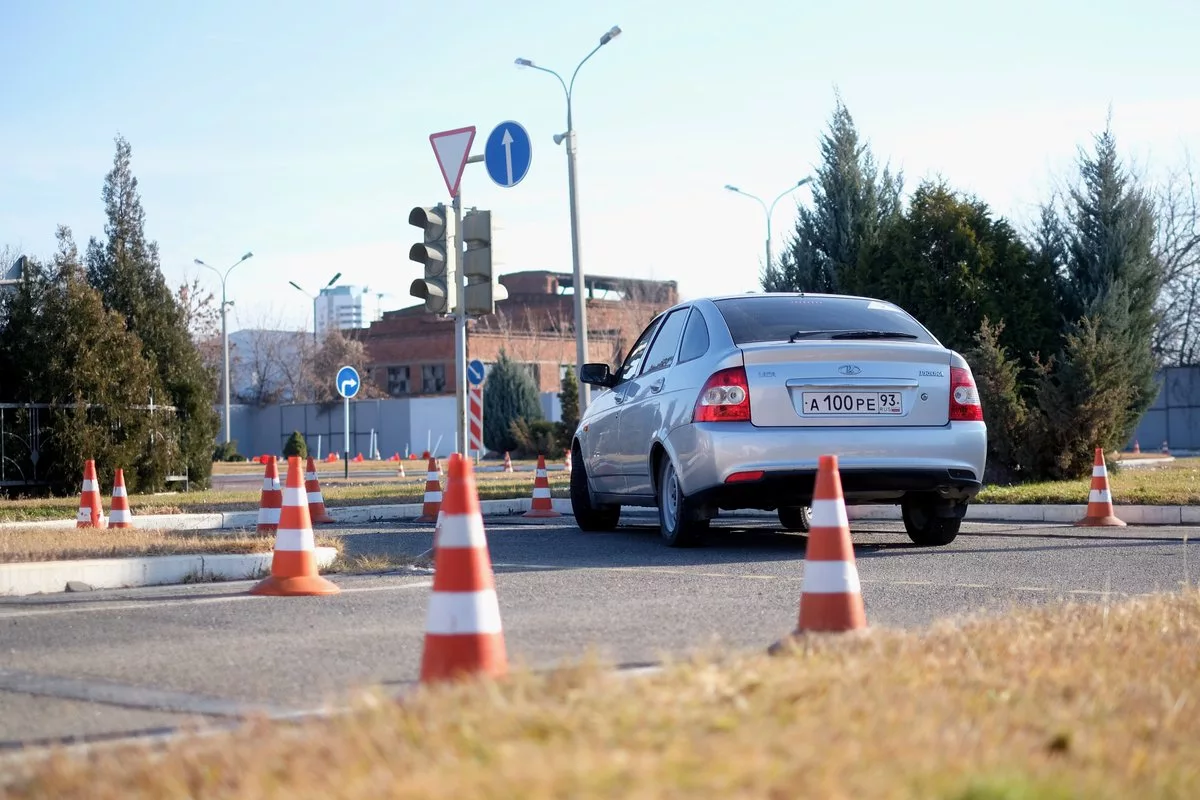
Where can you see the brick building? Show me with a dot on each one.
(411, 352)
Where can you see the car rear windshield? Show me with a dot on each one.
(774, 318)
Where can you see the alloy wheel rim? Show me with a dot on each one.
(671, 501)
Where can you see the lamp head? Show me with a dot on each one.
(198, 261)
(558, 138)
(248, 255)
(523, 62)
(612, 33)
(731, 188)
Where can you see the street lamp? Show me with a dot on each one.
(581, 331)
(771, 209)
(297, 286)
(225, 333)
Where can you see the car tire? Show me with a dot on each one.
(677, 521)
(926, 528)
(795, 518)
(587, 516)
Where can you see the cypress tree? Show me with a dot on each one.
(852, 201)
(125, 269)
(509, 395)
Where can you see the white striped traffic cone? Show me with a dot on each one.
(433, 493)
(91, 512)
(271, 499)
(294, 562)
(463, 634)
(316, 501)
(508, 467)
(1100, 512)
(542, 505)
(120, 516)
(830, 593)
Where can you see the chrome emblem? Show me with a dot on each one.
(849, 369)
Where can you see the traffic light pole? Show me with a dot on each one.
(460, 331)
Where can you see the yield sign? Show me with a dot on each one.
(452, 149)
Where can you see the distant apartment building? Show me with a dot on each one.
(411, 352)
(340, 308)
(11, 276)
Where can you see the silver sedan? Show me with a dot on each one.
(728, 402)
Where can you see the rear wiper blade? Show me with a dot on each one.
(873, 335)
(806, 334)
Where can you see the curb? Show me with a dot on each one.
(37, 577)
(978, 512)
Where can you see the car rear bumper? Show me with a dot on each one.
(876, 465)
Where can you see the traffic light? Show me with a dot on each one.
(436, 253)
(483, 290)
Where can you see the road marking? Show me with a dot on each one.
(119, 694)
(53, 609)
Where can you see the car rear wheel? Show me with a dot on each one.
(795, 518)
(926, 527)
(677, 518)
(587, 516)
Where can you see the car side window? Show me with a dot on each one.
(633, 361)
(666, 342)
(695, 338)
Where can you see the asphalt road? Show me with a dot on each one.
(113, 662)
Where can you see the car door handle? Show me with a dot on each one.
(656, 387)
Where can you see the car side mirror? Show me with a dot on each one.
(597, 375)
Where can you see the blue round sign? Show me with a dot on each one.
(508, 153)
(475, 372)
(347, 382)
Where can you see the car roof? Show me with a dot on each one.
(744, 295)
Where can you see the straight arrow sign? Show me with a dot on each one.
(507, 142)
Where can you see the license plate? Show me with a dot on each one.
(886, 404)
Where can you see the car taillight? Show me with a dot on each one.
(724, 398)
(964, 397)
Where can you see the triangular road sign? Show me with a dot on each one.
(452, 148)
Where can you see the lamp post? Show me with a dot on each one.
(769, 210)
(581, 331)
(225, 333)
(300, 289)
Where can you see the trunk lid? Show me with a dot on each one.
(822, 383)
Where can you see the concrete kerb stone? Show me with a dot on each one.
(36, 577)
(981, 512)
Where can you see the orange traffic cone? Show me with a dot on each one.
(508, 467)
(120, 516)
(463, 635)
(830, 596)
(567, 461)
(400, 472)
(91, 512)
(294, 562)
(1100, 508)
(316, 503)
(271, 499)
(542, 507)
(1136, 447)
(433, 494)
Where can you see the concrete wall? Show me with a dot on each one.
(401, 425)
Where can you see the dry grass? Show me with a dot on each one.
(34, 544)
(1085, 701)
(376, 562)
(492, 486)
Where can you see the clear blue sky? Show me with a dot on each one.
(300, 130)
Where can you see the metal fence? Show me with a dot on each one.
(387, 426)
(25, 433)
(1173, 421)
